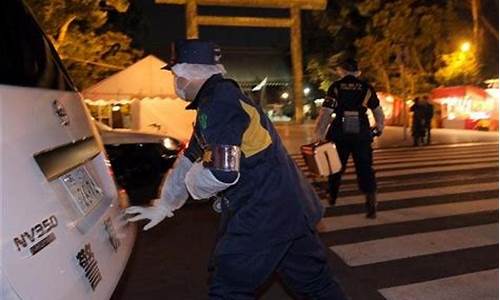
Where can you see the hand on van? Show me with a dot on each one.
(155, 213)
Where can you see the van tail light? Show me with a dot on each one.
(123, 199)
(182, 146)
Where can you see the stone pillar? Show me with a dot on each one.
(296, 51)
(191, 19)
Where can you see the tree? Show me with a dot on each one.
(90, 48)
(329, 36)
(405, 42)
(404, 47)
(460, 67)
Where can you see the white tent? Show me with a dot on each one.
(149, 95)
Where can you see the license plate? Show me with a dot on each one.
(85, 193)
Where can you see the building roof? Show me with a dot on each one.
(250, 66)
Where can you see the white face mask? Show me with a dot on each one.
(187, 89)
(189, 78)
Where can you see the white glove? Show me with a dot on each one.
(202, 184)
(173, 195)
(378, 115)
(155, 213)
(173, 190)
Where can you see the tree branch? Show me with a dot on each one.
(490, 28)
(86, 61)
(62, 32)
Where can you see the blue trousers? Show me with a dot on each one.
(301, 263)
(362, 155)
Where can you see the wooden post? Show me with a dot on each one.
(191, 19)
(296, 49)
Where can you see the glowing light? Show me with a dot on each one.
(319, 101)
(465, 47)
(116, 108)
(307, 91)
(169, 144)
(480, 115)
(285, 95)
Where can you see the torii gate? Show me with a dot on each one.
(193, 20)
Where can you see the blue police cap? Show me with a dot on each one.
(193, 51)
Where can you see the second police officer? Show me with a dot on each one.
(348, 99)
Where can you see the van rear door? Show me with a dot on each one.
(62, 232)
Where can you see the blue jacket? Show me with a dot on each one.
(272, 202)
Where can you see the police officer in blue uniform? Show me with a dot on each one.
(269, 210)
(349, 99)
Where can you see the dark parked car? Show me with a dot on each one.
(139, 160)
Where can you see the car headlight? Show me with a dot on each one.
(170, 144)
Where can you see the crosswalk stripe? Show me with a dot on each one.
(456, 167)
(472, 286)
(400, 162)
(457, 179)
(406, 246)
(336, 223)
(433, 150)
(448, 165)
(443, 146)
(379, 158)
(432, 155)
(440, 162)
(419, 193)
(394, 159)
(429, 149)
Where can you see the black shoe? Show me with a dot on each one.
(371, 206)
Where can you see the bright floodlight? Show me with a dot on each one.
(465, 47)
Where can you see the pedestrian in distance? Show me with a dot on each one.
(349, 99)
(429, 114)
(418, 127)
(269, 210)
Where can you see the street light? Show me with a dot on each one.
(465, 47)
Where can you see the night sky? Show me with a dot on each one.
(166, 23)
(162, 23)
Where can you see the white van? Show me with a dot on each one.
(62, 232)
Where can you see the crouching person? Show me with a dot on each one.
(269, 210)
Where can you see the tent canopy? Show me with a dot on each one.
(142, 79)
(154, 107)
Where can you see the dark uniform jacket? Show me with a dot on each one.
(419, 119)
(271, 202)
(350, 94)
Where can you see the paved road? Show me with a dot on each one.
(436, 235)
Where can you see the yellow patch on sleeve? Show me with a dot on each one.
(256, 138)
